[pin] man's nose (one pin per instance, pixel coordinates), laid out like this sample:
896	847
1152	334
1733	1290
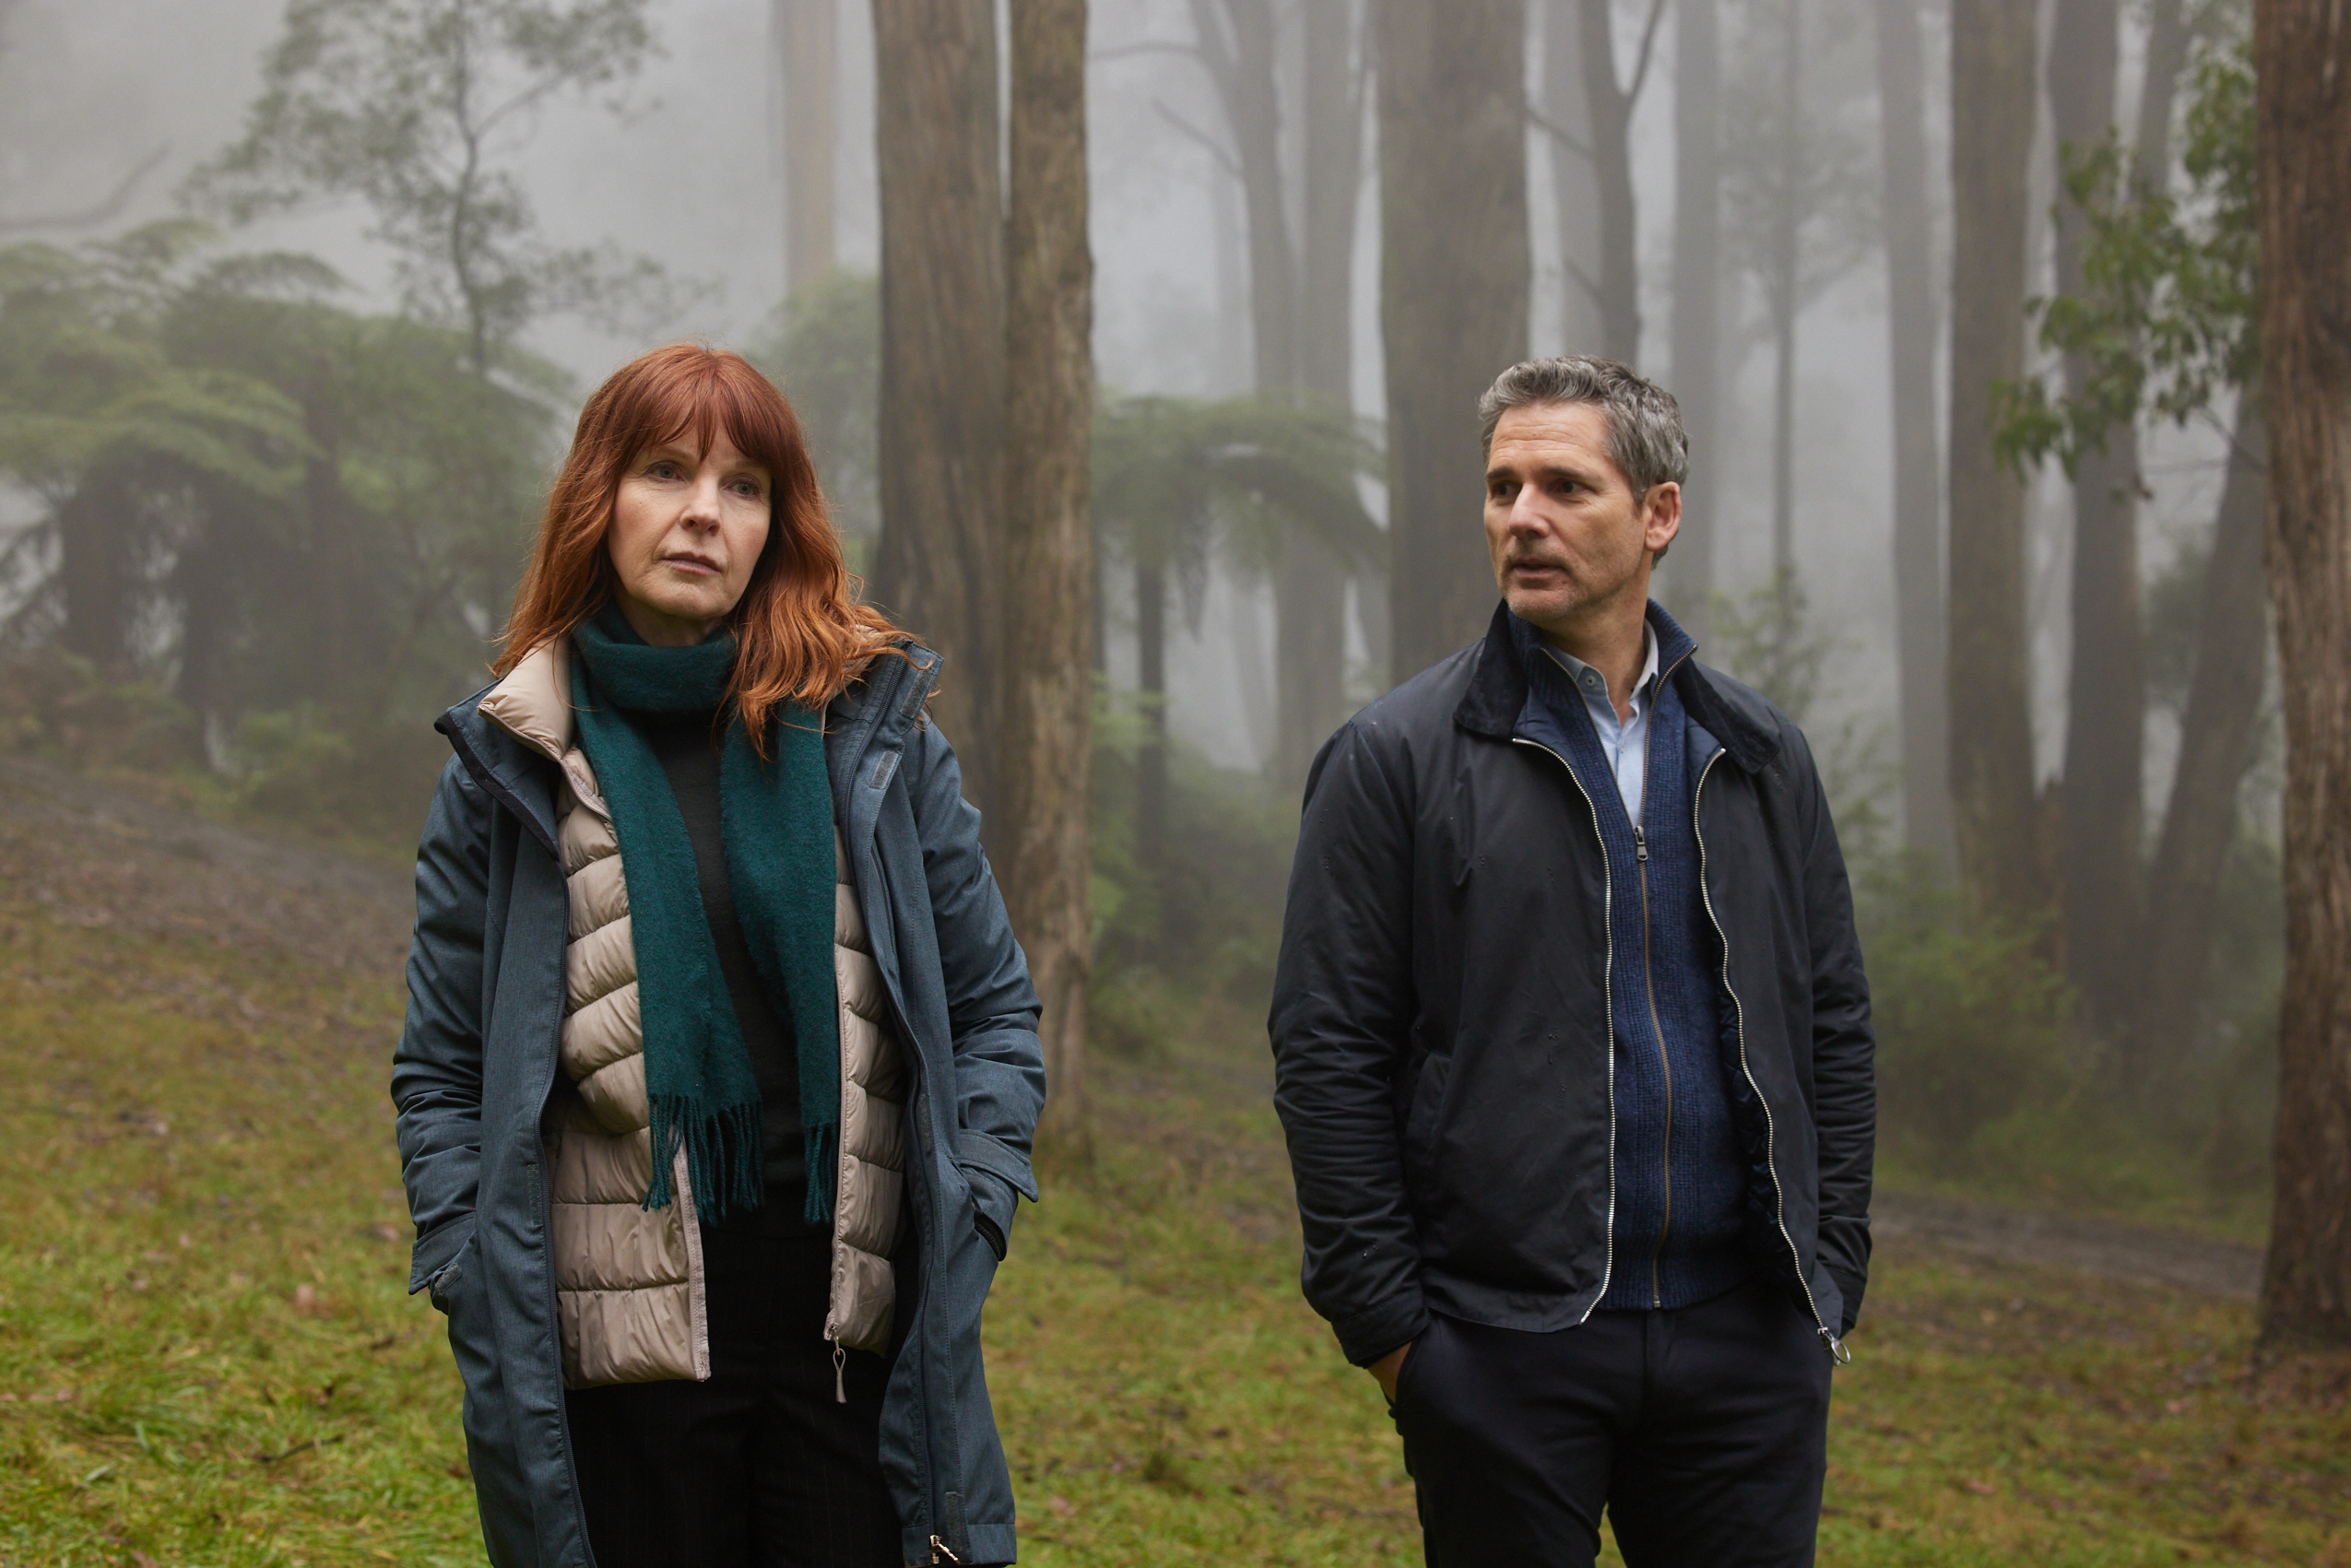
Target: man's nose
1526	512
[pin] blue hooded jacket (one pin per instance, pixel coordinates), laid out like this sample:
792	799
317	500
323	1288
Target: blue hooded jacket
478	1060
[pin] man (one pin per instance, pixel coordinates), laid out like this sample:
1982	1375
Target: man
1573	1045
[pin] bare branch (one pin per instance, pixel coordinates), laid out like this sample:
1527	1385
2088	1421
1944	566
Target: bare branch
1149	46
100	212
1216	149
1648	49
1559	132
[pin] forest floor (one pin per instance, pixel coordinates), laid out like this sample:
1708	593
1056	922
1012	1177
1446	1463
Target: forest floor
206	1356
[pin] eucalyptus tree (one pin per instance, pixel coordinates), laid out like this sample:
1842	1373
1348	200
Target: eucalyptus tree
1996	815
1912	323
2302	59
1455	275
2162	323
415	107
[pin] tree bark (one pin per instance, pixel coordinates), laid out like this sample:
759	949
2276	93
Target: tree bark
1610	105
1453	295
1697	294
942	345
1044	782
805	31
2302	63
1917	490
2216	748
1992	104
2101	825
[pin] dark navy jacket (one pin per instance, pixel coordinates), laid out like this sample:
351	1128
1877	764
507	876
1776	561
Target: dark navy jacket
1441	1016
478	1059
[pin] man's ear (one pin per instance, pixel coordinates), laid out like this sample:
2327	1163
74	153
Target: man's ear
1661	516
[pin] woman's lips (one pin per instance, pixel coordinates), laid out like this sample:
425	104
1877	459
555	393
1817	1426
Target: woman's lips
694	564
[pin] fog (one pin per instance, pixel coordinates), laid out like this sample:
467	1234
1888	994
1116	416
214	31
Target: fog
107	109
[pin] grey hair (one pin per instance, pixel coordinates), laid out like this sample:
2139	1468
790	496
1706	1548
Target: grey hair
1645	435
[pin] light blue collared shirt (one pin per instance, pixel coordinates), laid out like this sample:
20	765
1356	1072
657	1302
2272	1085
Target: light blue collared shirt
1626	743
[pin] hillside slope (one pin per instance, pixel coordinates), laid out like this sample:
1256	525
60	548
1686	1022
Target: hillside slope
206	1356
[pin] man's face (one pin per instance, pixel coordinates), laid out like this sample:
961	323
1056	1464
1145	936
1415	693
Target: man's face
1567	533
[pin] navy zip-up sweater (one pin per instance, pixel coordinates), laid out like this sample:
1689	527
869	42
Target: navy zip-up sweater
1676	1235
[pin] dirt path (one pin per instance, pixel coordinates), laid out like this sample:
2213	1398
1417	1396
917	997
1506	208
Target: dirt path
94	854
2093	1246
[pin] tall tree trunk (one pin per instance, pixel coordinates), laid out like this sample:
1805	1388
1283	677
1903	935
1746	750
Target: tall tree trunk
1453	281
1783	292
805	34
95	534
1150	758
1575	182
2101	827
942	345
1697	295
2216	748
1237	44
1992	100
1044	782
1310	604
1610	105
1334	171
1917	489
2302	63
2166	58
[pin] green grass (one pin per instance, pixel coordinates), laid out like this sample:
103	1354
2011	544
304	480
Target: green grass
206	1356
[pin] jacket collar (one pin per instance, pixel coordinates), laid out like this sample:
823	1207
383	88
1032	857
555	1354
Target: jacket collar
1498	688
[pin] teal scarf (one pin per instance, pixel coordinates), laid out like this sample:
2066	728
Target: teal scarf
776	825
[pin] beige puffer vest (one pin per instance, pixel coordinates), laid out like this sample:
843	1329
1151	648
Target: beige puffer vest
629	1281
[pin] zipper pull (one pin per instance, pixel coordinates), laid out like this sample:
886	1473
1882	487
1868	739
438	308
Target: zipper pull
840	1378
939	1553
1835	1349
1640	843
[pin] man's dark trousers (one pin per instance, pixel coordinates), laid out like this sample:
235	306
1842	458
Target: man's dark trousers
1702	1428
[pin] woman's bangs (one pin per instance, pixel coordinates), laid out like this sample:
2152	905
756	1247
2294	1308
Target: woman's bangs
715	398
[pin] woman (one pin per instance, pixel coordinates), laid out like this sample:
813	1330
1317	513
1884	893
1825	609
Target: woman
721	1064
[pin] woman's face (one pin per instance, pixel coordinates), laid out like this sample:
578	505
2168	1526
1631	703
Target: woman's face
687	529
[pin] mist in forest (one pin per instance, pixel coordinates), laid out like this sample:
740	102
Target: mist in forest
675	168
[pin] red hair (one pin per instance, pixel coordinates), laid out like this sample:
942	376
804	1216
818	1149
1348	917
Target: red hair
804	633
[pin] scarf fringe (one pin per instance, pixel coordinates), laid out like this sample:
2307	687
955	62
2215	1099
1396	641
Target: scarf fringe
822	1144
722	1154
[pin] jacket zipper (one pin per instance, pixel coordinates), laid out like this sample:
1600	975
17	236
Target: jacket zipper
1608	1012
1829	1341
1649	982
1664	1059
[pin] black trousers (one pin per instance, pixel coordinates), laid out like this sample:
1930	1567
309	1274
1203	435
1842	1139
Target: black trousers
761	1467
1702	1430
